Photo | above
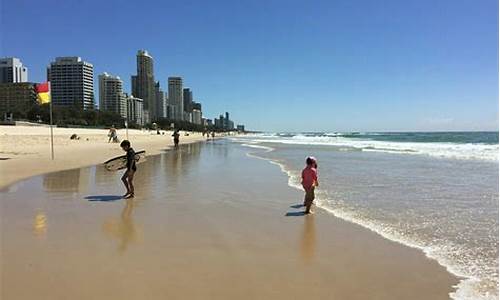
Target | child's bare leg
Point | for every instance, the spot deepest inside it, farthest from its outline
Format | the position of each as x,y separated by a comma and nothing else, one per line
131,183
125,182
308,207
309,198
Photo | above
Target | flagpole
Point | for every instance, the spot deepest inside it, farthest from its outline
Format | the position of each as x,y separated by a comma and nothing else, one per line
51,129
126,126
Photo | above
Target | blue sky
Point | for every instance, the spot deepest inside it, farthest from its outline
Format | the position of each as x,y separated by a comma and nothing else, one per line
350,65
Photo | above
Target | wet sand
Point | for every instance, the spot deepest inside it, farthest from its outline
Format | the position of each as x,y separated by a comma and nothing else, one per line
25,150
207,222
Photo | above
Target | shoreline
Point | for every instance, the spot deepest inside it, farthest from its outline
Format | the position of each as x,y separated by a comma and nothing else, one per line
463,279
25,150
233,233
468,284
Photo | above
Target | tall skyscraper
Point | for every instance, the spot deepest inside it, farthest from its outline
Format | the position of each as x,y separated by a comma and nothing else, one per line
175,98
12,70
71,82
188,100
143,84
160,101
111,97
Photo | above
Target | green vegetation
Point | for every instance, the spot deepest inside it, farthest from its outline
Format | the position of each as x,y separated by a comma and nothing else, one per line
70,116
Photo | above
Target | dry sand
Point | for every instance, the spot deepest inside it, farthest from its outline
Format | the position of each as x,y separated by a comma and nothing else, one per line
25,150
207,222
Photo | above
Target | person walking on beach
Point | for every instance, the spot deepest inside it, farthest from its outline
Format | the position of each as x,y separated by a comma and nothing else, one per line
128,176
112,134
176,138
309,182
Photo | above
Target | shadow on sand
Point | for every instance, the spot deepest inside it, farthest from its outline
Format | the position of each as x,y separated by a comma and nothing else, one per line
104,198
295,214
297,206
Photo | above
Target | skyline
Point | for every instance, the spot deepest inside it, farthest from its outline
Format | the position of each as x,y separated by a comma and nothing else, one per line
355,66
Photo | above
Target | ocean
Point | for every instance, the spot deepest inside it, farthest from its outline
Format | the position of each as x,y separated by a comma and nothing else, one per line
436,191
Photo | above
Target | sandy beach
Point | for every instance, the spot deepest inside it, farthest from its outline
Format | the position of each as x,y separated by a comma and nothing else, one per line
25,150
207,222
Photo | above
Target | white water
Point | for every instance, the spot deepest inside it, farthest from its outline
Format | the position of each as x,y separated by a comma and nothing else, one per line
485,152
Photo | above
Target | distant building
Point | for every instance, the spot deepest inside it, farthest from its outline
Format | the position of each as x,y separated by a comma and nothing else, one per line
135,110
111,96
240,128
188,100
12,70
220,122
160,101
170,111
196,105
188,117
15,97
196,117
71,82
175,98
209,122
143,84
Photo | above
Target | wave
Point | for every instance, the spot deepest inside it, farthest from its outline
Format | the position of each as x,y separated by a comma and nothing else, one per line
468,151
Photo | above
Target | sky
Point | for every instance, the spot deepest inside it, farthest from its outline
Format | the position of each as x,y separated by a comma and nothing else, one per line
349,65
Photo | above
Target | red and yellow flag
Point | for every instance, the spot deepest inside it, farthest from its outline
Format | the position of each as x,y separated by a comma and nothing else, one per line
43,92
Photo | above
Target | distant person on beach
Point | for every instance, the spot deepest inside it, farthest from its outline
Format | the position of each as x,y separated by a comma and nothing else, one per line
112,134
309,182
176,136
213,134
128,176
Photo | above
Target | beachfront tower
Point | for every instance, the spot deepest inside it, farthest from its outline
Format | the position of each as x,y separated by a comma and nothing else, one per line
160,101
135,111
71,82
143,84
188,100
111,97
12,70
175,98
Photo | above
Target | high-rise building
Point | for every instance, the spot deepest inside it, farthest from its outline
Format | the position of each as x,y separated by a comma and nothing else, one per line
135,110
160,101
175,98
71,82
16,97
12,70
111,97
196,105
143,84
188,100
196,116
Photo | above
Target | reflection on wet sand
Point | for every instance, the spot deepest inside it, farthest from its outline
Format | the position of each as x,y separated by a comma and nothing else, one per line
103,177
40,224
67,181
308,242
123,229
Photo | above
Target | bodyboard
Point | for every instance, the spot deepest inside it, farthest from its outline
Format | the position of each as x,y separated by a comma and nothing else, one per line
120,162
